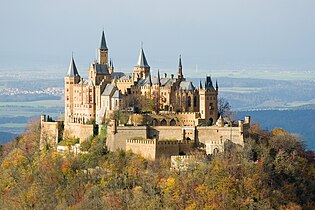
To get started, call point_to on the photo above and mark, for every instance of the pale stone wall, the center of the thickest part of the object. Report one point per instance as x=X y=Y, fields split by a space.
x=213 y=137
x=166 y=132
x=145 y=148
x=117 y=137
x=81 y=131
x=49 y=133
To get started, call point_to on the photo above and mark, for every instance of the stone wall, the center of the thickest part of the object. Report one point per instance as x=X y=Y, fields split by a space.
x=145 y=148
x=116 y=139
x=50 y=133
x=81 y=131
x=167 y=149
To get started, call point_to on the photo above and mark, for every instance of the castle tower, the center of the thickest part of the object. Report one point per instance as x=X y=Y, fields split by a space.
x=180 y=69
x=142 y=68
x=103 y=51
x=72 y=78
x=208 y=101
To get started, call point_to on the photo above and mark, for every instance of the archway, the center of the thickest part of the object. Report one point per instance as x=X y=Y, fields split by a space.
x=155 y=122
x=210 y=121
x=163 y=122
x=172 y=122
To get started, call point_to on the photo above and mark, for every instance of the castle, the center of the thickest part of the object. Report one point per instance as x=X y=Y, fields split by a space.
x=165 y=113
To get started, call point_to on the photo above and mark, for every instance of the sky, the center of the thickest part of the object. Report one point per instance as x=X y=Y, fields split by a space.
x=209 y=34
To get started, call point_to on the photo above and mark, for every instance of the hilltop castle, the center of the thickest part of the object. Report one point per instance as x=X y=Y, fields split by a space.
x=106 y=90
x=177 y=109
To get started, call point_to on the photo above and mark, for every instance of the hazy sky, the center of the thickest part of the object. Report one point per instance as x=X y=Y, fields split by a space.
x=226 y=34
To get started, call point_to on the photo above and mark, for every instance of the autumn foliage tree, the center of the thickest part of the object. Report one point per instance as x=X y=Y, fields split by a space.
x=272 y=171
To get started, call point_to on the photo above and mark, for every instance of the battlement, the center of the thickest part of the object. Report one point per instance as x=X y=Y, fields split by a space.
x=141 y=141
x=168 y=142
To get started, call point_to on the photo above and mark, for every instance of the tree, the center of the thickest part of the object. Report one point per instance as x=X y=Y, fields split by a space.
x=224 y=107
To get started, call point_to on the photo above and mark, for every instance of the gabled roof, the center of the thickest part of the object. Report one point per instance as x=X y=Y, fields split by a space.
x=145 y=81
x=103 y=42
x=117 y=94
x=167 y=81
x=187 y=85
x=122 y=76
x=72 y=71
x=100 y=68
x=108 y=90
x=142 y=61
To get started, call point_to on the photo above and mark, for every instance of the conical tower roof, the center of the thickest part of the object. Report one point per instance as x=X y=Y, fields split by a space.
x=103 y=42
x=142 y=61
x=72 y=71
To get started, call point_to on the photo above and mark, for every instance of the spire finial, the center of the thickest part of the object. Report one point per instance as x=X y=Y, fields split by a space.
x=103 y=42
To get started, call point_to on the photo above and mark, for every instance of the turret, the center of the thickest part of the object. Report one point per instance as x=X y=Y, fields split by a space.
x=142 y=66
x=208 y=101
x=103 y=51
x=72 y=78
x=180 y=69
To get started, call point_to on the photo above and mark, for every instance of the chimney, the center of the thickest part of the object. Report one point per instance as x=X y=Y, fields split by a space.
x=165 y=75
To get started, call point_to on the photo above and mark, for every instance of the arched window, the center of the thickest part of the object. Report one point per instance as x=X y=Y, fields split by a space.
x=189 y=101
x=155 y=122
x=172 y=122
x=163 y=122
x=195 y=101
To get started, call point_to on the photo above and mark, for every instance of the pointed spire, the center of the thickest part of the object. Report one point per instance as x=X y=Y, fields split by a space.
x=180 y=68
x=159 y=78
x=142 y=61
x=216 y=85
x=110 y=62
x=72 y=71
x=180 y=61
x=200 y=85
x=103 y=42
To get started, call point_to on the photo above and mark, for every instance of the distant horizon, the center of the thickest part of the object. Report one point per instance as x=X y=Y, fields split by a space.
x=212 y=34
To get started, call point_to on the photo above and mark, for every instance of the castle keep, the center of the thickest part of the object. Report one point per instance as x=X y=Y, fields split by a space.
x=165 y=112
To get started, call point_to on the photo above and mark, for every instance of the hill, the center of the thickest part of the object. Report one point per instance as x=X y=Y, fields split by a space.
x=272 y=171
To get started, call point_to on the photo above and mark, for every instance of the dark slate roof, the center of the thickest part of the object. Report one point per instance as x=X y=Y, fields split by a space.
x=100 y=68
x=108 y=90
x=72 y=71
x=167 y=81
x=146 y=81
x=103 y=42
x=142 y=61
x=122 y=76
x=117 y=94
x=187 y=85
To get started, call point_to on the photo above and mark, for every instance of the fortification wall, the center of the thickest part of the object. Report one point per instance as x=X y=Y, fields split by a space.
x=50 y=133
x=167 y=148
x=213 y=137
x=145 y=148
x=81 y=131
x=117 y=138
x=185 y=147
x=165 y=132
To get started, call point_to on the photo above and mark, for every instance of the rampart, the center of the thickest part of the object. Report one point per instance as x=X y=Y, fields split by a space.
x=51 y=132
x=82 y=131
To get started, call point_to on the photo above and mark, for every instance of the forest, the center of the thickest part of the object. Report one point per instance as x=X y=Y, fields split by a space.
x=272 y=171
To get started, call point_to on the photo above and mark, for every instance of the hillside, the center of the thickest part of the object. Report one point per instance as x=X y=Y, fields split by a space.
x=272 y=171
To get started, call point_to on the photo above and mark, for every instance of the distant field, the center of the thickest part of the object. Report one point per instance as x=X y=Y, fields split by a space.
x=240 y=90
x=45 y=103
x=257 y=74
